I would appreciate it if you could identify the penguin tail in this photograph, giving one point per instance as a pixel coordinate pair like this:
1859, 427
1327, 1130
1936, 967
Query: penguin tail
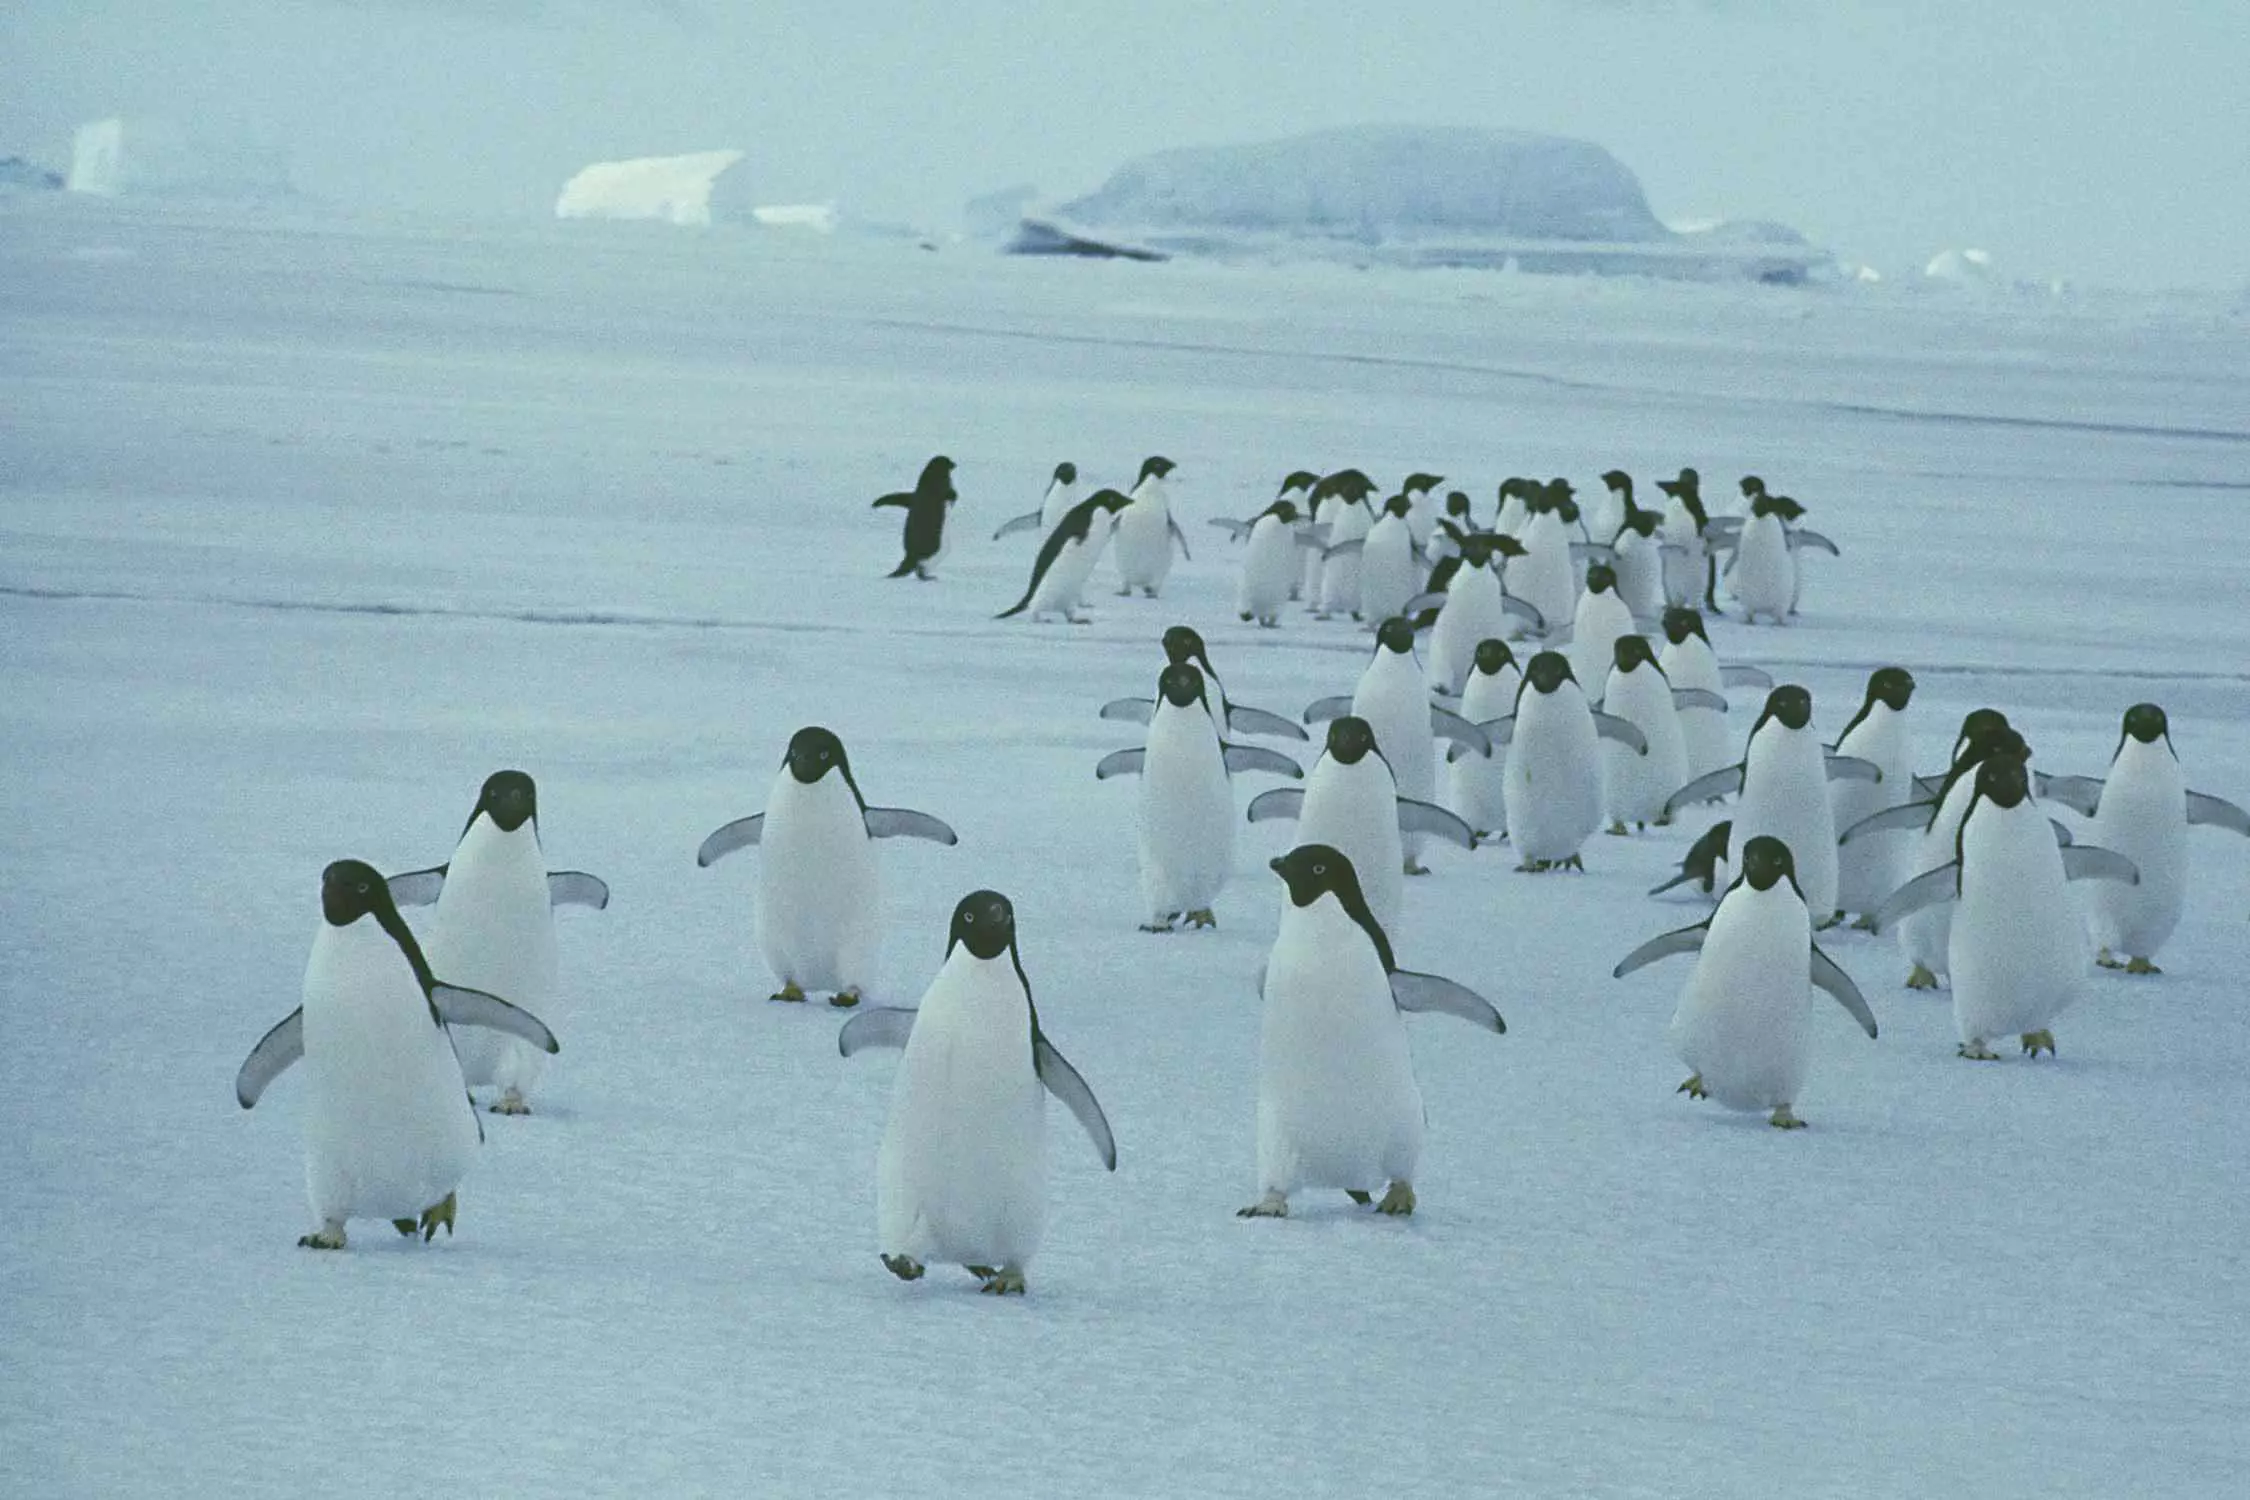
905, 567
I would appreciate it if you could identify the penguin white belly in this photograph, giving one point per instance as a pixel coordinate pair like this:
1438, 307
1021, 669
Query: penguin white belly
1394, 698
1514, 516
1187, 814
1640, 574
1594, 630
493, 929
1325, 514
1691, 664
2016, 951
2143, 816
1339, 580
1472, 614
961, 1177
1785, 796
1744, 1022
1268, 565
1354, 810
1764, 571
1144, 542
1683, 555
1870, 867
1543, 576
1606, 516
1062, 587
1553, 783
1475, 782
389, 1130
1338, 1105
818, 892
1386, 570
1060, 498
1635, 786
1925, 936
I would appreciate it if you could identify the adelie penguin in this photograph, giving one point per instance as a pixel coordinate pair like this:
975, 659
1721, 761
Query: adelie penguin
1689, 568
1869, 869
1146, 532
1689, 662
1270, 566
1635, 689
1552, 782
1744, 1022
1062, 494
819, 898
1472, 603
962, 1174
494, 926
1338, 1105
927, 507
1475, 788
1183, 647
1066, 559
1341, 506
389, 1128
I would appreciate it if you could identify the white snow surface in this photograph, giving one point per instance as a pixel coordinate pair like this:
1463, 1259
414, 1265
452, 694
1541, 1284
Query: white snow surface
671, 189
308, 525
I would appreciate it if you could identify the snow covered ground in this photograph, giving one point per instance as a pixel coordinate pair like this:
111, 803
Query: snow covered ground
308, 525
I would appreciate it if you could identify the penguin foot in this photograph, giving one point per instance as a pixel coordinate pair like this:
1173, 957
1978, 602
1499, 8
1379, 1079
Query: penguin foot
1921, 978
904, 1267
1274, 1205
1078, 619
981, 1273
1416, 867
1865, 923
1575, 862
406, 1227
1976, 1051
789, 992
2106, 960
1244, 616
440, 1212
1617, 830
1269, 623
2035, 1042
1398, 1199
845, 999
511, 1102
1828, 921
1782, 1119
1163, 926
1202, 917
1008, 1278
329, 1236
1663, 820
1535, 867
1359, 1197
1125, 592
1693, 1088
2141, 966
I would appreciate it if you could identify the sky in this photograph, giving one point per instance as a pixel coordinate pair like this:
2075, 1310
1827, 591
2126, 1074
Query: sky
2094, 141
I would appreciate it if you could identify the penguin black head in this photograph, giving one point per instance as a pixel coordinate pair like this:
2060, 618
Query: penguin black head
1555, 496
2004, 780
1548, 671
2146, 722
1349, 483
1181, 685
1689, 483
1395, 634
1752, 486
1183, 644
1600, 578
1631, 652
1619, 481
1640, 522
1316, 870
351, 889
1789, 703
984, 923
1493, 656
1284, 511
1298, 479
1979, 724
1457, 503
1680, 622
1156, 467
1517, 488
1112, 501
1777, 505
1765, 860
508, 799
937, 475
813, 753
1066, 473
1399, 505
1422, 482
1892, 686
1350, 739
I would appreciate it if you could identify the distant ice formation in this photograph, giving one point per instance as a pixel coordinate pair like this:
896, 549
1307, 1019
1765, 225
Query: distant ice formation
1962, 268
675, 189
116, 157
17, 175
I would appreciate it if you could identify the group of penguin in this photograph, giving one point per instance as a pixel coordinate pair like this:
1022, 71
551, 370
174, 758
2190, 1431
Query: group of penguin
1967, 864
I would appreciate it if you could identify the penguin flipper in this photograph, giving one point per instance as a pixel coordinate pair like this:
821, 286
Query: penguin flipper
2081, 794
1418, 993
899, 500
1340, 549
1257, 721
1698, 698
2217, 812
457, 1006
906, 823
1804, 537
1428, 817
2064, 838
1915, 815
1930, 888
1624, 731
1063, 1082
1323, 709
1723, 782
1028, 521
1663, 945
1525, 610
1313, 538
417, 887
1931, 786
1281, 802
740, 834
1131, 710
1828, 976
577, 888
1853, 768
1233, 528
1258, 758
877, 1026
275, 1051
1179, 536
1600, 552
1452, 726
1746, 676
1428, 599
1122, 763
1500, 731
2089, 862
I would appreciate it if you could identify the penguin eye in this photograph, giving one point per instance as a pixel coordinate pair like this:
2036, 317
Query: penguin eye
969, 918
1320, 868
361, 887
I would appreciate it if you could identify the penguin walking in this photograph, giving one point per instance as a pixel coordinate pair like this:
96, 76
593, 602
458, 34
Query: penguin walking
2143, 810
818, 907
1608, 513
1351, 520
1062, 494
1270, 565
389, 1128
1600, 622
1474, 782
1338, 1105
1552, 783
1763, 571
961, 1177
1744, 1022
1635, 689
494, 927
1689, 663
1183, 646
1066, 559
1637, 557
1187, 801
1419, 491
1689, 570
1473, 604
2015, 950
1387, 556
1798, 539
1516, 495
1868, 869
1545, 577
1146, 532
927, 505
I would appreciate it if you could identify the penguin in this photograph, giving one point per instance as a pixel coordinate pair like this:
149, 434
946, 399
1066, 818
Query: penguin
1689, 663
1637, 556
1146, 532
1187, 800
1763, 571
1387, 573
1393, 696
494, 926
1473, 604
1184, 647
1544, 576
1270, 565
2015, 949
926, 507
1868, 869
1636, 690
1552, 782
1609, 512
961, 1177
1688, 567
1743, 1026
1066, 559
1799, 538
1350, 522
1351, 800
1703, 862
1447, 529
2143, 810
1062, 494
1783, 778
818, 910
1338, 1105
1421, 516
389, 1128
1516, 495
1600, 622
1474, 781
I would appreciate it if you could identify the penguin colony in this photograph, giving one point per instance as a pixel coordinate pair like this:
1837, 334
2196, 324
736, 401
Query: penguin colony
1534, 680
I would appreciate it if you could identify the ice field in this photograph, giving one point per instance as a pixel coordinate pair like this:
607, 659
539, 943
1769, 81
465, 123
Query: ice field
308, 524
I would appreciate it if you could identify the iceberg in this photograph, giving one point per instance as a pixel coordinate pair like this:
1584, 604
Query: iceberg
118, 156
674, 189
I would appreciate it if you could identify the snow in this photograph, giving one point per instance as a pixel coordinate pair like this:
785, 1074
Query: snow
673, 189
308, 524
149, 156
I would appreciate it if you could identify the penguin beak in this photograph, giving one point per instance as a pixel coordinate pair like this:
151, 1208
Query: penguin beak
1274, 865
